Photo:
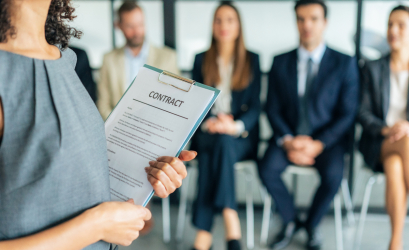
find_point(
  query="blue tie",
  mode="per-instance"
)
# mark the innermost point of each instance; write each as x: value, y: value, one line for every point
x: 304, y: 126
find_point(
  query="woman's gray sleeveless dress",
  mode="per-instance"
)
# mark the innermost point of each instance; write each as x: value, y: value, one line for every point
x: 53, y: 162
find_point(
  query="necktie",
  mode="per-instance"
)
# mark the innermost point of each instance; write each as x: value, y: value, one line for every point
x: 304, y: 126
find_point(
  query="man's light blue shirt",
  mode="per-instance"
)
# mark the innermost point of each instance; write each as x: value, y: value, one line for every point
x: 302, y: 68
x: 134, y: 63
x: 303, y: 57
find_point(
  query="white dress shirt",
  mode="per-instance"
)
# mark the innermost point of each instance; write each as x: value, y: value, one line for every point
x: 303, y: 57
x: 134, y: 63
x: 398, y: 97
x: 223, y: 101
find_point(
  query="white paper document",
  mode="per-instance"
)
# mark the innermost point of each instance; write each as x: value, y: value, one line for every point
x: 152, y: 119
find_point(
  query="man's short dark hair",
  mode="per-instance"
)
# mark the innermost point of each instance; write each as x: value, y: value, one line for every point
x: 308, y: 2
x: 126, y: 7
x: 400, y: 7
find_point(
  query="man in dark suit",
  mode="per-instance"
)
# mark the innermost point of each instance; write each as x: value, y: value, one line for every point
x: 311, y: 105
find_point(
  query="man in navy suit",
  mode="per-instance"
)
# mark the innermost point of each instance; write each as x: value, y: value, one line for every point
x: 311, y: 105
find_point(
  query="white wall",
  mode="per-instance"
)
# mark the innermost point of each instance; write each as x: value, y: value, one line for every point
x: 269, y: 28
x: 94, y: 19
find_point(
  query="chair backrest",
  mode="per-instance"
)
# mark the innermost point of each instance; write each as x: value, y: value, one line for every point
x: 301, y: 170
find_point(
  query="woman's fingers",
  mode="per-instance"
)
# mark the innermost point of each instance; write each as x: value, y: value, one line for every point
x: 175, y: 163
x: 148, y: 214
x: 186, y: 155
x: 399, y: 135
x: 160, y: 189
x: 164, y: 176
x: 121, y: 221
x: 169, y: 171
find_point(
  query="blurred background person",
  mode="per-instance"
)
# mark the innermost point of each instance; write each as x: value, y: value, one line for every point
x: 229, y: 133
x: 121, y: 66
x: 384, y: 118
x: 84, y: 72
x: 311, y: 105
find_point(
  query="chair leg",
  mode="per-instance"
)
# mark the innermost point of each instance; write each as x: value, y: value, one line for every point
x: 166, y: 219
x: 184, y: 191
x: 294, y: 187
x: 250, y: 211
x: 265, y: 224
x: 263, y: 192
x: 364, y: 210
x: 348, y: 202
x: 338, y: 222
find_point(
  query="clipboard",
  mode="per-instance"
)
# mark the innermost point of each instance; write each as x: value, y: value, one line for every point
x: 181, y: 85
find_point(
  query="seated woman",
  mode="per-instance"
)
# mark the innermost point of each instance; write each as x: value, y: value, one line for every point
x: 229, y: 133
x: 384, y: 117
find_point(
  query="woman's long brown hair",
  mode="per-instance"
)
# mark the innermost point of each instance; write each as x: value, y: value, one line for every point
x: 241, y: 66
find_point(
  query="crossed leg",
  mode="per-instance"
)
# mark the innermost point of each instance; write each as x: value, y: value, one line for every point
x: 395, y: 159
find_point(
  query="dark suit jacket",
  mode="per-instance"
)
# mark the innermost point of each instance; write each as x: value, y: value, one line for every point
x: 374, y: 108
x: 245, y: 104
x: 84, y: 72
x: 333, y: 103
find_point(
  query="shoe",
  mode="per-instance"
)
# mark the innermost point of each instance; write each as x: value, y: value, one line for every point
x: 286, y: 235
x: 233, y: 245
x: 314, y: 239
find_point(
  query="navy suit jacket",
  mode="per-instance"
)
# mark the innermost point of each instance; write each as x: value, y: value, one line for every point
x: 374, y: 109
x: 245, y: 104
x: 334, y: 97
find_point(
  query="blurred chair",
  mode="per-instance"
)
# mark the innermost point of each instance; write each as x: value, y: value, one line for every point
x: 240, y: 167
x: 166, y: 219
x: 295, y: 171
x: 375, y: 42
x: 376, y: 177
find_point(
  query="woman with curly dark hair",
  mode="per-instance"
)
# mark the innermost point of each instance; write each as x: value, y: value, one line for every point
x: 54, y: 186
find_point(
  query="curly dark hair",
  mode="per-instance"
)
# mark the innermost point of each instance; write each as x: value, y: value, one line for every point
x: 57, y: 31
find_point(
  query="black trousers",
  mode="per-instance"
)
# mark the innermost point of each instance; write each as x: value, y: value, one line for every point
x: 217, y: 155
x: 330, y: 165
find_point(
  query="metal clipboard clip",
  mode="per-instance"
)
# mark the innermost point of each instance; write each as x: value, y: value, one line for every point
x: 184, y: 79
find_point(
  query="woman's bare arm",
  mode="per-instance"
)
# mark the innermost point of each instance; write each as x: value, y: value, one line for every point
x: 74, y: 234
x: 116, y: 222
